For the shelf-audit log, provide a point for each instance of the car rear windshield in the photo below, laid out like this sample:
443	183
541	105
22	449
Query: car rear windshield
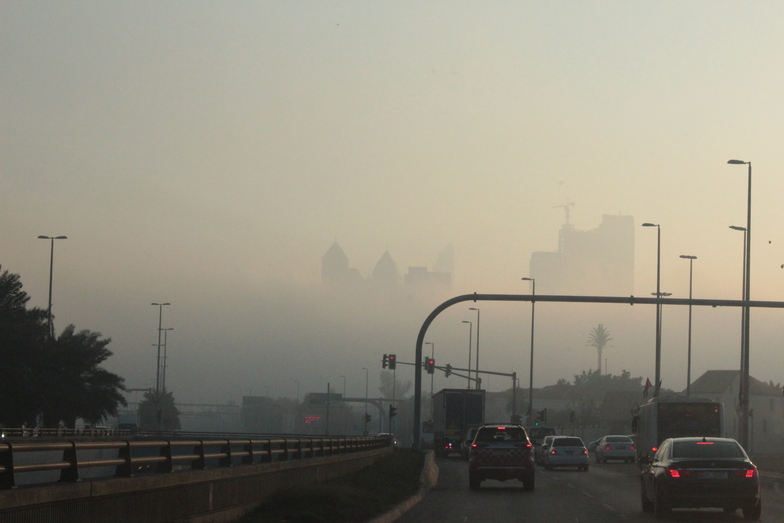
706	449
568	442
500	434
618	439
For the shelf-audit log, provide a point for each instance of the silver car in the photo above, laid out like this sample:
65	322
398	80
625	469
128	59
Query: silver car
616	447
567	451
540	452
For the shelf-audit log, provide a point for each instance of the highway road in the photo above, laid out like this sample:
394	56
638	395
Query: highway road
607	492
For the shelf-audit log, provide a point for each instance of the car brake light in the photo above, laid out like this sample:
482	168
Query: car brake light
675	473
704	443
746	473
553	452
632	448
608	447
654	449
585	451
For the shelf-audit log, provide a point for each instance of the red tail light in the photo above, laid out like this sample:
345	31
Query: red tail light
585	451
675	473
632	448
746	473
608	447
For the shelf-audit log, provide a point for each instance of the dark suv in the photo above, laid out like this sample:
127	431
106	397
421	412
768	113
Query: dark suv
501	452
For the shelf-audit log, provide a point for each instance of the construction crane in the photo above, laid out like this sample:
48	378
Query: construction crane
566	208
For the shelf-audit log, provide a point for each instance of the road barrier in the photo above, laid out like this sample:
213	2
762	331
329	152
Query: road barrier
159	480
162	456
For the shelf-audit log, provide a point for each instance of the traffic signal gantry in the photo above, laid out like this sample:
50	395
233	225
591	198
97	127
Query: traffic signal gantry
429	364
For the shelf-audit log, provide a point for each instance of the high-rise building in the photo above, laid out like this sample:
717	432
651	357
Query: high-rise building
335	269
599	262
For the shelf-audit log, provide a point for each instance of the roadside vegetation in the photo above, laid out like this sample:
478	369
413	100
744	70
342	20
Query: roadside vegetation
47	379
357	497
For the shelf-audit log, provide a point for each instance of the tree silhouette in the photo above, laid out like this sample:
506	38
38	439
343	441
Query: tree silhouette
22	335
599	339
74	384
401	388
60	380
157	411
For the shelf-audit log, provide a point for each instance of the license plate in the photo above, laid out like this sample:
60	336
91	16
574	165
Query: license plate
713	475
622	447
569	452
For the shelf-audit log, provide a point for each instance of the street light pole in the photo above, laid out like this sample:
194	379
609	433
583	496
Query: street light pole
366	399
165	347
51	272
478	382
470	338
158	370
531	364
743	311
657	378
746	349
688	362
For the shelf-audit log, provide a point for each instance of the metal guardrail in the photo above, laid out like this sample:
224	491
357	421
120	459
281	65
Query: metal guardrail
165	456
62	432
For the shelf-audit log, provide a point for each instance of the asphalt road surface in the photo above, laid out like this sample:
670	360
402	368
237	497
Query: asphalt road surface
607	492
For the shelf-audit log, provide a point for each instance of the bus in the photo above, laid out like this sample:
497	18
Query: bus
674	417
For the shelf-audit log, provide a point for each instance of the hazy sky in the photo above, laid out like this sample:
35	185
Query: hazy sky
208	154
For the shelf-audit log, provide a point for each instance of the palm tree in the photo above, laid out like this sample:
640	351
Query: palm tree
599	339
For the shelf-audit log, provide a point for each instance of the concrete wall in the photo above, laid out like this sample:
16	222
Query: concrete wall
213	495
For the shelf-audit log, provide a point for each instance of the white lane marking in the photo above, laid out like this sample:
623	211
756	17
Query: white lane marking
588	494
608	507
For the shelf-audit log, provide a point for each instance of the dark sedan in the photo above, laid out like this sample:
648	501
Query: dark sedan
701	472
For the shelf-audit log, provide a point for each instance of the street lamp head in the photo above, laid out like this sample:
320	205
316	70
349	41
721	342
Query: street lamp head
648	224
737	228
527	279
42	237
737	162
466	321
160	304
473	309
687	257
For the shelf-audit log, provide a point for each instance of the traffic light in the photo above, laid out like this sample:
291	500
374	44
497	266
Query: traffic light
430	365
367	418
392	361
385	362
448	370
392	412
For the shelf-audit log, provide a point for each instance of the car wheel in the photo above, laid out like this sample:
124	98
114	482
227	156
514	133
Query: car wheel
753	512
474	481
647	505
660	508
